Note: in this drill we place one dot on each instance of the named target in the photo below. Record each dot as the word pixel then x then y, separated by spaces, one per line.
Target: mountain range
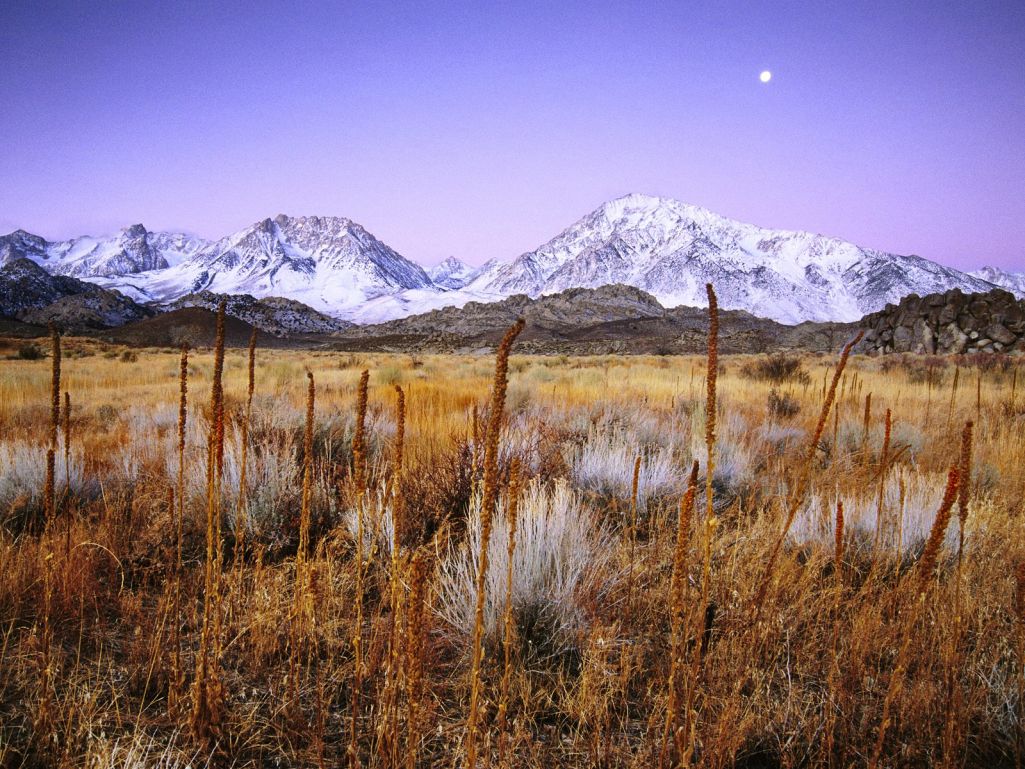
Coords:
pixel 666 248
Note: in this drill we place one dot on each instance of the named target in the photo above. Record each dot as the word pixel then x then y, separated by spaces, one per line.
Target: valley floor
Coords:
pixel 310 598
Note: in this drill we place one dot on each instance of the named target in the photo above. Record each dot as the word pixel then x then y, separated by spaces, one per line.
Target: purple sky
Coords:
pixel 450 129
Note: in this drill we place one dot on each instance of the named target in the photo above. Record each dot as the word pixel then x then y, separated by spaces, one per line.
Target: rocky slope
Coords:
pixel 949 322
pixel 606 320
pixel 30 294
pixel 131 251
pixel 275 315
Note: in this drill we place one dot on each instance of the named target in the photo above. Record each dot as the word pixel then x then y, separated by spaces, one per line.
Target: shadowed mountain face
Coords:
pixel 275 315
pixel 194 326
pixel 32 295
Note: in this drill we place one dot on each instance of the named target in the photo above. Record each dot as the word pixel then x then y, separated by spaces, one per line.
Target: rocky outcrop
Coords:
pixel 616 319
pixel 952 322
pixel 32 295
pixel 273 314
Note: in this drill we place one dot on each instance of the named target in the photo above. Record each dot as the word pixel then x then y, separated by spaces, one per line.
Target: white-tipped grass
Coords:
pixel 559 555
pixel 735 460
pixel 140 751
pixel 23 475
pixel 910 502
pixel 604 465
pixel 377 526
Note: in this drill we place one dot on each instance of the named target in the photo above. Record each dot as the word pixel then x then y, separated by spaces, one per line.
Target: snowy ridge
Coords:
pixel 452 273
pixel 667 248
pixel 672 250
pixel 1012 281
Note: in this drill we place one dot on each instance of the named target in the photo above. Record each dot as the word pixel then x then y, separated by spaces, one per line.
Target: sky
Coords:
pixel 482 130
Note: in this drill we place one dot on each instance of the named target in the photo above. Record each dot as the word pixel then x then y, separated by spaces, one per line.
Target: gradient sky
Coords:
pixel 483 129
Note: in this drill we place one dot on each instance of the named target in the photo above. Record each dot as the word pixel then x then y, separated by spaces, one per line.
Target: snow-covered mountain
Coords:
pixel 1012 281
pixel 452 273
pixel 667 248
pixel 132 250
pixel 672 250
pixel 331 264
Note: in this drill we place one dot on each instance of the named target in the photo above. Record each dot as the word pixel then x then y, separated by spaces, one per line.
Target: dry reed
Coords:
pixel 359 482
pixel 208 689
pixel 508 623
pixel 302 607
pixel 804 474
pixel 670 733
pixel 240 507
pixel 489 497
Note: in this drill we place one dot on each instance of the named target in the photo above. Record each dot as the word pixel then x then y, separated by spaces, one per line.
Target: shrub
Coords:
pixel 30 351
pixel 604 464
pixel 734 456
pixel 776 368
pixel 559 552
pixel 782 406
pixel 129 356
pixel 23 477
pixel 904 526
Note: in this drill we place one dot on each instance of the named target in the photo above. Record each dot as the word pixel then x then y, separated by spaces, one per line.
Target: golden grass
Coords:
pixel 860 655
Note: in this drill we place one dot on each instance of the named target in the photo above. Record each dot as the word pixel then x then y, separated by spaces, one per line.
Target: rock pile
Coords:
pixel 951 322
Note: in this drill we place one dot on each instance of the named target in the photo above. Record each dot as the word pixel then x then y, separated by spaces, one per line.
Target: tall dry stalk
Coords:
pixel 489 497
pixel 1014 390
pixel 926 568
pixel 688 738
pixel 930 554
pixel 240 524
pixel 50 487
pixel 711 377
pixel 670 732
pixel 509 629
pixel 359 457
pixel 964 490
pixel 302 608
pixel 388 737
pixel 865 425
pixel 804 476
pixel 207 689
pixel 628 618
pixel 44 712
pixel 884 458
pixel 400 429
pixel 177 681
pixel 66 430
pixel 953 393
pixel 1019 636
pixel 978 396
pixel 834 669
pixel 415 650
pixel 358 479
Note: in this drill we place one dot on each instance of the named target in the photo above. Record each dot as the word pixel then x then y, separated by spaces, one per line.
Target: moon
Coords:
pixel 766 76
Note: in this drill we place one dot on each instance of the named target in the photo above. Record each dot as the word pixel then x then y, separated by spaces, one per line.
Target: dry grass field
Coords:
pixel 447 564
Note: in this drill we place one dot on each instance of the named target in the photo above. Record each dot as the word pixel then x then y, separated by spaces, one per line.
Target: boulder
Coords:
pixel 902 337
pixel 948 314
pixel 951 339
pixel 925 339
pixel 999 333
